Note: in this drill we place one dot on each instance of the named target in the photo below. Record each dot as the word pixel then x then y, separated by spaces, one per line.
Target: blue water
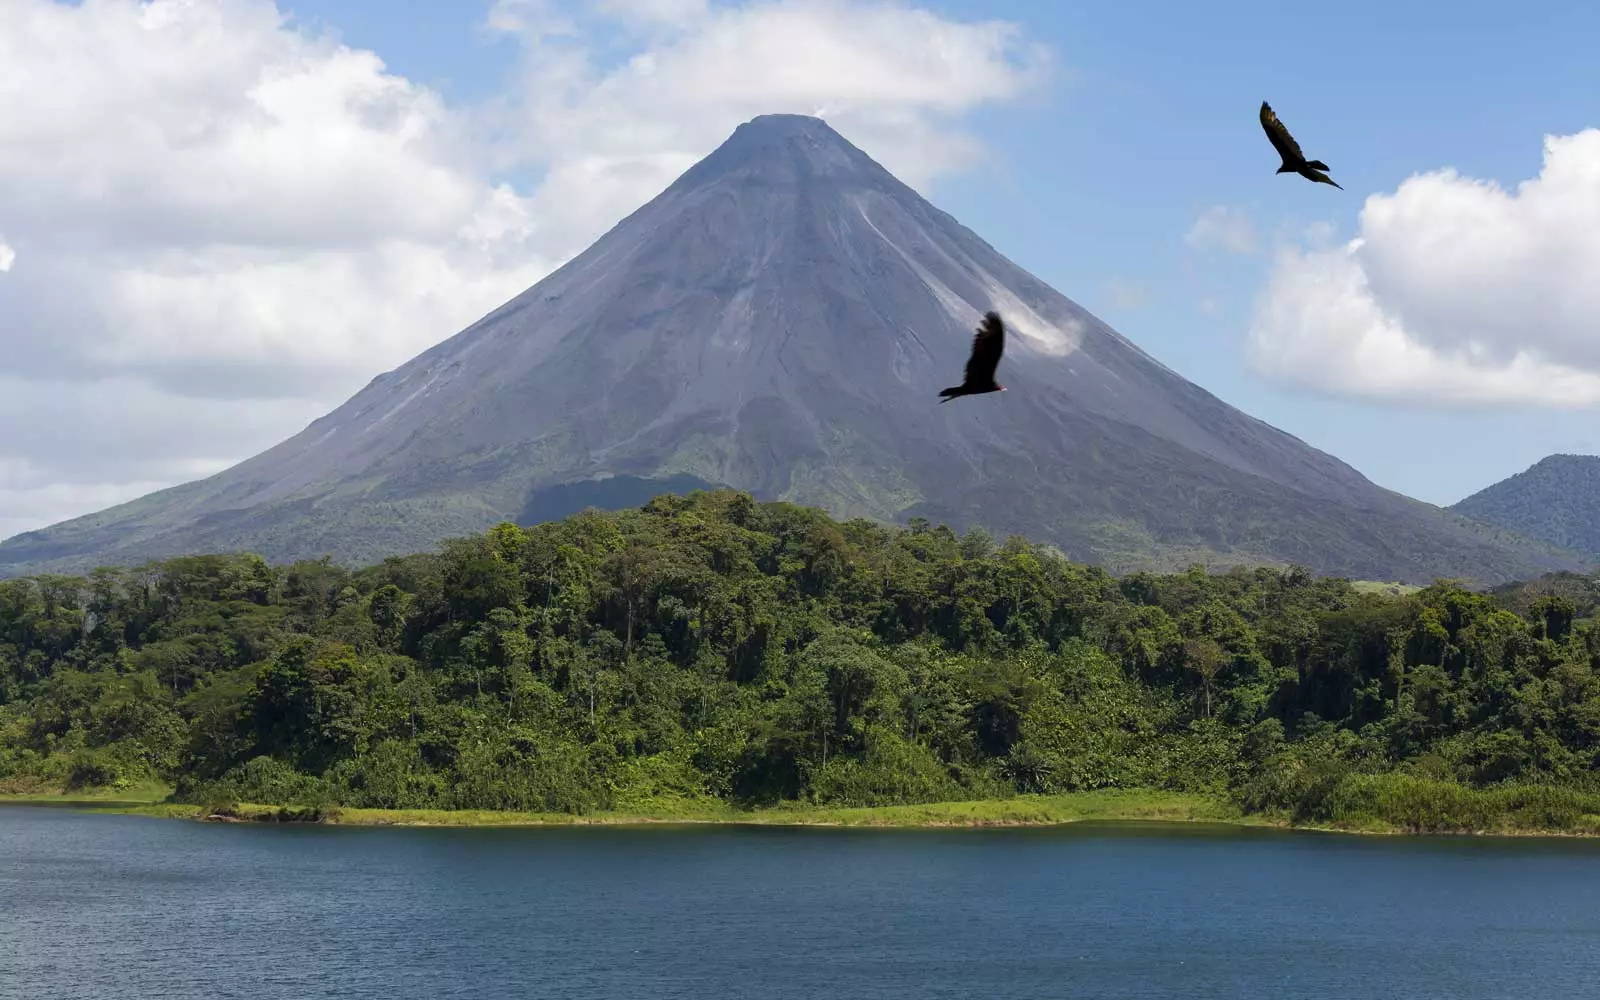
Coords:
pixel 100 906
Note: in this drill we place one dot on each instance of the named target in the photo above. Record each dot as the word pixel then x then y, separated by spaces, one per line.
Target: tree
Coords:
pixel 1205 658
pixel 710 644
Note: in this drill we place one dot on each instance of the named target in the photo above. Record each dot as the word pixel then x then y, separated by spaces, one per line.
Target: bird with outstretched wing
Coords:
pixel 1294 161
pixel 987 346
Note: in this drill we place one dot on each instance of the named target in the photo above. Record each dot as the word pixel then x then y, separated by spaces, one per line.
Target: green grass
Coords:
pixel 1403 803
pixel 132 797
pixel 1375 806
pixel 1025 810
pixel 1379 587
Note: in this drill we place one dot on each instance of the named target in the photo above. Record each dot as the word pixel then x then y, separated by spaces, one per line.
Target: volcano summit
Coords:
pixel 780 319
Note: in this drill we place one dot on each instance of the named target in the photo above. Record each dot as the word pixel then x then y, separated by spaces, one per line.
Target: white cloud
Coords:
pixel 1456 292
pixel 891 78
pixel 29 499
pixel 655 11
pixel 232 223
pixel 534 18
pixel 1224 227
pixel 92 443
pixel 1122 293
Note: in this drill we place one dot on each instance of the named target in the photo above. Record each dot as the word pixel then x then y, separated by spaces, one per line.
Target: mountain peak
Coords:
pixel 785 149
pixel 786 124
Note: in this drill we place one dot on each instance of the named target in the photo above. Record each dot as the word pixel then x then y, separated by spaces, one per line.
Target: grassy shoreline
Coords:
pixel 1106 805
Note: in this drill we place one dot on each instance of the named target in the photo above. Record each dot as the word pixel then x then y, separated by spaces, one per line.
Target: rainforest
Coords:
pixel 711 654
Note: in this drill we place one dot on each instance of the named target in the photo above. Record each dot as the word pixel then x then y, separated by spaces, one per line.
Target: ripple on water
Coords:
pixel 98 906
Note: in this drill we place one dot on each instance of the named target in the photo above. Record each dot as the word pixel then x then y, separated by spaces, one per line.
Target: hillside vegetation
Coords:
pixel 713 653
pixel 1556 500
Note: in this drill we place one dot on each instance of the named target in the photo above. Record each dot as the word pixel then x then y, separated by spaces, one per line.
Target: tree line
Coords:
pixel 712 646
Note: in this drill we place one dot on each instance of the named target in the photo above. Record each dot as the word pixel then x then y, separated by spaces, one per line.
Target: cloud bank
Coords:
pixel 1457 292
pixel 217 225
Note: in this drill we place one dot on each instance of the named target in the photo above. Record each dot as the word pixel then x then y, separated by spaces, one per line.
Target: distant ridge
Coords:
pixel 780 320
pixel 1556 500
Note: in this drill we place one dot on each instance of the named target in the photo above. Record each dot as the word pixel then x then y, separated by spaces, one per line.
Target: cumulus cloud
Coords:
pixel 1223 227
pixel 229 225
pixel 1456 292
pixel 892 78
pixel 231 222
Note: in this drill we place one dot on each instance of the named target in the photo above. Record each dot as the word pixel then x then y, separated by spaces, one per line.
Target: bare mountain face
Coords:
pixel 781 320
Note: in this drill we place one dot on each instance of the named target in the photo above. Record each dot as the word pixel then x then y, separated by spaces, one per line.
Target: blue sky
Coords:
pixel 214 227
pixel 1161 123
pixel 1150 118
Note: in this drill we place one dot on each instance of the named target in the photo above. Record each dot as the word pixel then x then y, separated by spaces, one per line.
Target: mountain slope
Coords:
pixel 780 320
pixel 1556 500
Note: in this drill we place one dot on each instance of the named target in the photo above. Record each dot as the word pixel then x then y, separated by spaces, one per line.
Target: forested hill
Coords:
pixel 1556 500
pixel 714 646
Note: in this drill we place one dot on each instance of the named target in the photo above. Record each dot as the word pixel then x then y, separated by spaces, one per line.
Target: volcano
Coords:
pixel 780 320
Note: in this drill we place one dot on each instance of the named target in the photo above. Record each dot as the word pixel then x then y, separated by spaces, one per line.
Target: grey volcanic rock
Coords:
pixel 780 320
pixel 1557 500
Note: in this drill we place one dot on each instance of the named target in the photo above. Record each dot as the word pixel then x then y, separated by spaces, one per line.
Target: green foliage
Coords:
pixel 1556 500
pixel 709 651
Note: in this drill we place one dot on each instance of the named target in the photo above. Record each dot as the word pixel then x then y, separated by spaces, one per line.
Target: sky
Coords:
pixel 221 218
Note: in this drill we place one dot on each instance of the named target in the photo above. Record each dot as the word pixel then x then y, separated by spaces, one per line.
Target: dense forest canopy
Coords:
pixel 1556 500
pixel 713 646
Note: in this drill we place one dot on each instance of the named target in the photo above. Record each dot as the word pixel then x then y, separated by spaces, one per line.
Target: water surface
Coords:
pixel 101 906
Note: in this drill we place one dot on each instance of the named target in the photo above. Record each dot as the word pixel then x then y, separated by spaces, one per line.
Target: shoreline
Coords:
pixel 1021 812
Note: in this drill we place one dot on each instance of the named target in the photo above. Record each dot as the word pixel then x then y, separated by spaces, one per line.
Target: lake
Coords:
pixel 104 906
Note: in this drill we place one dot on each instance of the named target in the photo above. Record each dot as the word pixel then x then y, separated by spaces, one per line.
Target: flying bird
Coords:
pixel 987 345
pixel 1294 161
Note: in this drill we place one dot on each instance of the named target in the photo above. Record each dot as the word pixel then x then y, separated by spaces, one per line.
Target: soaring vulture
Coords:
pixel 987 345
pixel 1294 161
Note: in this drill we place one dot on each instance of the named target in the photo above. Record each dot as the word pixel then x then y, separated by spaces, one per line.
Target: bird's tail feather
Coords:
pixel 950 393
pixel 1318 165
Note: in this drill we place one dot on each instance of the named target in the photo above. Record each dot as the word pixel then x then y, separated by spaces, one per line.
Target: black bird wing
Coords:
pixel 987 346
pixel 1282 141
